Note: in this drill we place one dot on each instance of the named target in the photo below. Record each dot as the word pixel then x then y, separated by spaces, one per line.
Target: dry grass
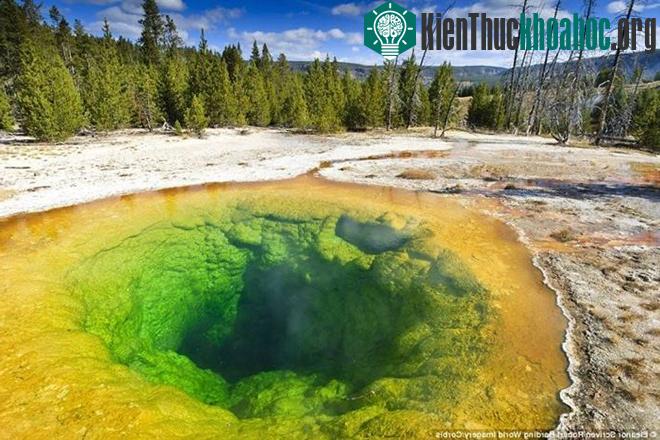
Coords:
pixel 325 164
pixel 487 172
pixel 651 307
pixel 648 172
pixel 416 174
pixel 406 154
pixel 563 235
pixel 653 332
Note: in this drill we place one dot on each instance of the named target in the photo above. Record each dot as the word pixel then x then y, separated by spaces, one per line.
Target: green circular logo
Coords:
pixel 389 30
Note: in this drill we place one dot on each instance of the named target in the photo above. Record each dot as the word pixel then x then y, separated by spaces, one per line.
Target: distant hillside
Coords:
pixel 650 61
pixel 462 73
pixel 475 74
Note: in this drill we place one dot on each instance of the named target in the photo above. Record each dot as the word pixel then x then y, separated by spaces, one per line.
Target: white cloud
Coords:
pixel 505 8
pixel 92 2
pixel 135 6
pixel 346 9
pixel 121 22
pixel 124 19
pixel 171 5
pixel 300 43
pixel 618 7
pixel 615 7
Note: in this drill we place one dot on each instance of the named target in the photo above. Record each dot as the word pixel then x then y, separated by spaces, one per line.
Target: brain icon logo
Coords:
pixel 389 30
pixel 389 26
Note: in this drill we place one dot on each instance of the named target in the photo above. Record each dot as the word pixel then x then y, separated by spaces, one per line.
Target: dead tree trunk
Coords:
pixel 521 87
pixel 411 100
pixel 437 114
pixel 544 94
pixel 610 85
pixel 633 101
pixel 576 79
pixel 531 120
pixel 511 91
pixel 391 93
pixel 448 112
pixel 421 66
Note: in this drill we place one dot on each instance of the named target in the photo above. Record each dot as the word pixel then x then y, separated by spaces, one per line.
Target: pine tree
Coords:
pixel 334 87
pixel 173 89
pixel 288 104
pixel 32 12
pixel 196 116
pixel 219 100
pixel 324 96
pixel 424 113
pixel 441 95
pixel 258 110
pixel 178 130
pixel 171 40
pixel 200 71
pixel 266 68
pixel 487 108
pixel 209 79
pixel 48 102
pixel 255 57
pixel 412 108
pixel 6 118
pixel 497 109
pixel 239 91
pixel 294 110
pixel 281 74
pixel 646 119
pixel 83 46
pixel 322 112
pixel 14 28
pixel 152 31
pixel 479 113
pixel 354 110
pixel 143 96
pixel 233 58
pixel 374 100
pixel 107 33
pixel 266 60
pixel 104 92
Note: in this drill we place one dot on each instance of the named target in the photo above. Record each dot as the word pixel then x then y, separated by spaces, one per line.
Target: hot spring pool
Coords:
pixel 296 309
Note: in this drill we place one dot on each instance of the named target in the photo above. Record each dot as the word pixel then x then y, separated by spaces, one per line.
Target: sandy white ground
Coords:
pixel 39 177
pixel 590 216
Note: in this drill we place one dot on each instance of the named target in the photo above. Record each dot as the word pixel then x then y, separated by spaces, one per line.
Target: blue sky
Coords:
pixel 304 29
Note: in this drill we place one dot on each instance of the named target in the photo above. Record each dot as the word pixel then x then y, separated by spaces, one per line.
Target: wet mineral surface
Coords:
pixel 297 309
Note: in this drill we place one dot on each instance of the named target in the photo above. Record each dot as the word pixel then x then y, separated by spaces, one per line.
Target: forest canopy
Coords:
pixel 57 79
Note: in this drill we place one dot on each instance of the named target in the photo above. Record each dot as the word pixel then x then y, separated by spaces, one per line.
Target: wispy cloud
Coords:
pixel 347 9
pixel 124 18
pixel 617 7
pixel 299 43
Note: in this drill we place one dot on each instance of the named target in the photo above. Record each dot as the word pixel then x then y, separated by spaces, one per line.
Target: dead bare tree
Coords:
pixel 523 86
pixel 413 96
pixel 447 113
pixel 638 73
pixel 392 92
pixel 511 89
pixel 557 112
pixel 544 93
pixel 574 116
pixel 531 120
pixel 610 84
